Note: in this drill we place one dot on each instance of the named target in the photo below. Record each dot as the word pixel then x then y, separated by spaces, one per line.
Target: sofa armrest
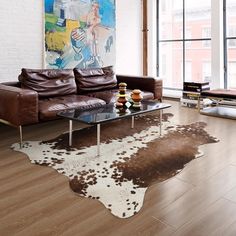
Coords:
pixel 146 83
pixel 18 106
pixel 13 84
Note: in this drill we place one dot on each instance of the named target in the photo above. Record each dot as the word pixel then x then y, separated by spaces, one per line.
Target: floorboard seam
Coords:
pixel 229 200
pixel 164 223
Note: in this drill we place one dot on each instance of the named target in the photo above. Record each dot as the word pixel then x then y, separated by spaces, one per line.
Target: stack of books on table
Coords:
pixel 191 93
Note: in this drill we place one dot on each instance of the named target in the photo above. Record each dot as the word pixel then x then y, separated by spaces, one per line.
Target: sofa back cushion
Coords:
pixel 48 82
pixel 94 79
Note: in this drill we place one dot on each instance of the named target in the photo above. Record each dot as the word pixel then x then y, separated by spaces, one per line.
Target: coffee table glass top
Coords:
pixel 110 112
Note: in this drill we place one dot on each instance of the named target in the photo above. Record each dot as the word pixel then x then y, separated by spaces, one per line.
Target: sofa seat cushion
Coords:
pixel 48 82
pixel 95 79
pixel 49 107
pixel 110 96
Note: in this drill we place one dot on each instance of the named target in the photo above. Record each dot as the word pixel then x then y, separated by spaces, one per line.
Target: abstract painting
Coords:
pixel 79 33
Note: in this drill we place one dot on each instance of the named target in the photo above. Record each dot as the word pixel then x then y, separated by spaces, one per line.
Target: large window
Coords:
pixel 230 43
pixel 184 41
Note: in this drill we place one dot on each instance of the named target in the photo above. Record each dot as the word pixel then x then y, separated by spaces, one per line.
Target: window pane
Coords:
pixel 198 62
pixel 170 19
pixel 206 32
pixel 197 16
pixel 231 18
pixel 231 43
pixel 171 59
pixel 232 74
pixel 188 70
pixel 231 67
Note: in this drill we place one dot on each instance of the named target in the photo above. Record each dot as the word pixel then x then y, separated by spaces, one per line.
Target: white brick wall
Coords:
pixel 21 37
pixel 21 40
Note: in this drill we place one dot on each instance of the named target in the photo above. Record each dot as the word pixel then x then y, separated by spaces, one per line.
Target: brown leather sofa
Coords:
pixel 41 93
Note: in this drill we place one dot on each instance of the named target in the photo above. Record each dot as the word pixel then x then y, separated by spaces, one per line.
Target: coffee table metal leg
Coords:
pixel 21 136
pixel 132 122
pixel 70 132
pixel 160 121
pixel 98 139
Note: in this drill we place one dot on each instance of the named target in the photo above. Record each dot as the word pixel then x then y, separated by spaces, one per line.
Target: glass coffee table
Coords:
pixel 97 116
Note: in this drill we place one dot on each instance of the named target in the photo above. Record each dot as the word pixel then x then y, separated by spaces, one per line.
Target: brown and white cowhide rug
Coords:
pixel 130 161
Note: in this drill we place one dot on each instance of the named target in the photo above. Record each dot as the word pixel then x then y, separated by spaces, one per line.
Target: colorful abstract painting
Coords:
pixel 79 33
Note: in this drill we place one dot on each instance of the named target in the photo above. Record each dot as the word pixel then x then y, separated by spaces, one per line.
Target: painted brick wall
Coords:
pixel 21 37
pixel 21 40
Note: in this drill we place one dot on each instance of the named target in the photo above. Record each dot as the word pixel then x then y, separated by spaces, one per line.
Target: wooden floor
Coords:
pixel 201 200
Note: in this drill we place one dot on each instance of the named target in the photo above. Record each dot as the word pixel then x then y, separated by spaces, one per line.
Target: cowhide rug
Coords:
pixel 130 161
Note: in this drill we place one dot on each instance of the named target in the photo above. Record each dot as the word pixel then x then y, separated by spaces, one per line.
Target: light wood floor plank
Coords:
pixel 195 202
pixel 216 220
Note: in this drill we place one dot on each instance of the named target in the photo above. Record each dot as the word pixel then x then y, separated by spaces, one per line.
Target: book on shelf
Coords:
pixel 190 95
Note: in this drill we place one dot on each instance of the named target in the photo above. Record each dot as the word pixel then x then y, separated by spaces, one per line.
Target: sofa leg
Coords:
pixel 21 136
pixel 70 132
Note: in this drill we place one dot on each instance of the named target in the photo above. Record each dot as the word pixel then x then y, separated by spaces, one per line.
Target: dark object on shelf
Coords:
pixel 196 87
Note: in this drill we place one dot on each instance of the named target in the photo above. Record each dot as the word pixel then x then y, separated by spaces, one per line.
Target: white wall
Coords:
pixel 129 37
pixel 21 37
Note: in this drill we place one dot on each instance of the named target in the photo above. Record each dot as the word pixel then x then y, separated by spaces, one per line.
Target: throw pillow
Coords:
pixel 48 82
pixel 95 79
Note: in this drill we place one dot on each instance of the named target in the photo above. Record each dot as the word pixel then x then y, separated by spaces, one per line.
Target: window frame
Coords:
pixel 183 40
pixel 226 47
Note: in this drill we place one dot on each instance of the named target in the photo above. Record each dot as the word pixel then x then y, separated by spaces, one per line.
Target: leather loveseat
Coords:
pixel 41 93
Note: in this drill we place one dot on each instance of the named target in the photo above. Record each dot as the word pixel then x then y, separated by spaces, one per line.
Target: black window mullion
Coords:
pixel 186 40
pixel 158 41
pixel 231 37
pixel 183 41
